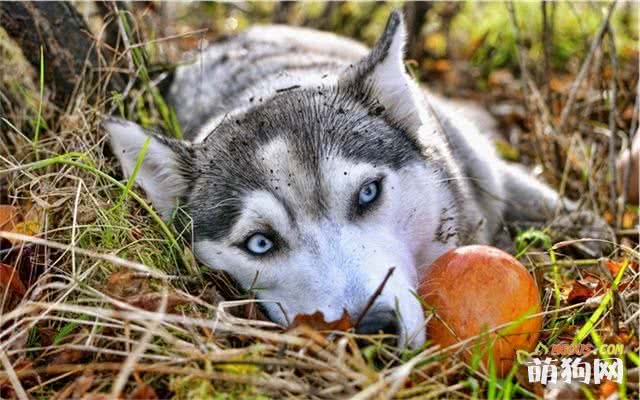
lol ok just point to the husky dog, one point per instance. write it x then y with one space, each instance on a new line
314 165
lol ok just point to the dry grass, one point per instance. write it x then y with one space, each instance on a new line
116 304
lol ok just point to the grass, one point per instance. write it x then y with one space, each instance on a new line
36 134
105 265
139 56
587 328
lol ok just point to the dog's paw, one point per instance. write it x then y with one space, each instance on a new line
592 235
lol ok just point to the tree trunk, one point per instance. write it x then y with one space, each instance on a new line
415 13
71 61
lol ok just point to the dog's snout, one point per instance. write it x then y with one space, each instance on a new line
379 322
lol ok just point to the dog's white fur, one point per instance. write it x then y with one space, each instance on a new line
334 265
157 175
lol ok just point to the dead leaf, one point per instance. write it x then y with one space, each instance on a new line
82 385
561 84
441 66
6 387
613 267
152 301
608 217
27 220
500 78
135 290
123 284
9 216
627 114
143 392
316 321
67 356
607 388
100 396
10 278
580 293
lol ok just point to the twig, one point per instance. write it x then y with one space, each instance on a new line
133 358
253 380
83 252
374 296
628 232
612 121
582 74
123 35
521 60
13 377
546 44
533 98
626 173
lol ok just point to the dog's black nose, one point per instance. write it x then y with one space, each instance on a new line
383 321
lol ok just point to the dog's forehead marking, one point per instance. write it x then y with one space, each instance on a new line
285 146
261 208
300 187
289 177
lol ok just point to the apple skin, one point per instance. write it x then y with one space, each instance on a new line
474 289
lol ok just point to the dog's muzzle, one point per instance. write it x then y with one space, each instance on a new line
380 321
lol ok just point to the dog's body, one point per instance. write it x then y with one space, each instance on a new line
316 165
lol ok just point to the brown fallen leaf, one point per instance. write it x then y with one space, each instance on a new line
607 388
82 385
136 290
100 396
26 220
6 387
152 301
613 267
9 217
10 278
500 77
123 284
560 84
76 389
67 356
143 392
316 321
580 293
442 66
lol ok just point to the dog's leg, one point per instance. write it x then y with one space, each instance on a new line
509 196
532 203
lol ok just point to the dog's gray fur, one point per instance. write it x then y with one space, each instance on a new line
281 122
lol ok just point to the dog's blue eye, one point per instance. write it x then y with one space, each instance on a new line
259 244
369 193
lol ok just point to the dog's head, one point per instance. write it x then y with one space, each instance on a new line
312 196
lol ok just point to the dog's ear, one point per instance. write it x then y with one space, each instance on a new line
164 169
382 74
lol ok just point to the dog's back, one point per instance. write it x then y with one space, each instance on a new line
244 70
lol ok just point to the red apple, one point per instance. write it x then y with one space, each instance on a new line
473 290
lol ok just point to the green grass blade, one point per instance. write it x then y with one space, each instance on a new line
36 134
587 393
557 278
65 159
634 358
67 329
587 328
134 173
